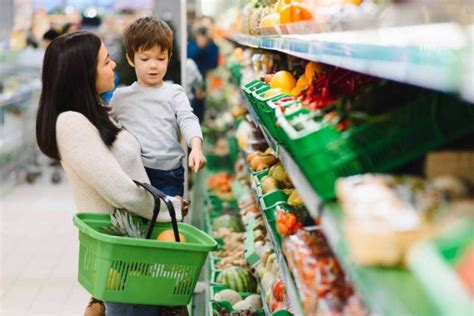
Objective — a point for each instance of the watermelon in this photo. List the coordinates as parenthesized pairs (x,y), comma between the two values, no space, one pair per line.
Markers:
(232,222)
(238,279)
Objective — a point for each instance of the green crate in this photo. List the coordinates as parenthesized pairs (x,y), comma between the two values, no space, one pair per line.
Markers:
(267,111)
(438,257)
(216,306)
(252,86)
(404,134)
(235,71)
(216,163)
(250,252)
(140,271)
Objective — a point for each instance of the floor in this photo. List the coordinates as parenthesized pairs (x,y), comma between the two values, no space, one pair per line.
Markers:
(39,252)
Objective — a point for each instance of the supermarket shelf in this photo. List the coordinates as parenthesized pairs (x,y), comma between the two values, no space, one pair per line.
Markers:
(290,285)
(429,55)
(311,199)
(386,291)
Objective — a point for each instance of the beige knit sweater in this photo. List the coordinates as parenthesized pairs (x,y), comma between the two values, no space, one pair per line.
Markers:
(101,177)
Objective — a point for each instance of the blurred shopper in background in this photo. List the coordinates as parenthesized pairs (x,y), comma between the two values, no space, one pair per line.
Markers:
(205,53)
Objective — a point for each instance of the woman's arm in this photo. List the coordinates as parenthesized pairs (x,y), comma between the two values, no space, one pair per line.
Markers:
(82,149)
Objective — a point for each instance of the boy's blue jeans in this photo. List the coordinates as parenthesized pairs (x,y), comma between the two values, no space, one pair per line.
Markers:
(170,182)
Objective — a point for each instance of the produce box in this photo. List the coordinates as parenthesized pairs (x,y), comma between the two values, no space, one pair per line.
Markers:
(394,139)
(217,207)
(266,111)
(434,264)
(235,71)
(454,163)
(217,306)
(253,85)
(250,252)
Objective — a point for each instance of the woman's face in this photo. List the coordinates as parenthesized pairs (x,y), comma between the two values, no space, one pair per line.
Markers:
(105,71)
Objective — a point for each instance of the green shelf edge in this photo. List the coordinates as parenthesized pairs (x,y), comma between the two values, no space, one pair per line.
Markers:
(386,291)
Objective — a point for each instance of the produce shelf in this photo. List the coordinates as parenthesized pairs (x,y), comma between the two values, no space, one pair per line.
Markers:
(290,285)
(386,291)
(430,55)
(311,199)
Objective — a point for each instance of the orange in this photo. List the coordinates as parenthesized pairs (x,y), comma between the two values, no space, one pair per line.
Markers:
(294,12)
(168,235)
(312,69)
(283,80)
(302,82)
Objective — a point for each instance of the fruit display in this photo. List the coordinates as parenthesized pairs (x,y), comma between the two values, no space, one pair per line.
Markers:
(238,279)
(232,222)
(260,161)
(388,213)
(317,272)
(221,182)
(233,252)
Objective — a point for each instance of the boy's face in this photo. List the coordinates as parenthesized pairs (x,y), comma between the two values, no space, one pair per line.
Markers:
(150,66)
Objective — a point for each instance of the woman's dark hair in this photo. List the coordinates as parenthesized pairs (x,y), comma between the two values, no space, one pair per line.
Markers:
(69,76)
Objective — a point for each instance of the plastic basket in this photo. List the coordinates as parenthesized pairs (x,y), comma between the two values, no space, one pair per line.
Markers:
(140,271)
(404,134)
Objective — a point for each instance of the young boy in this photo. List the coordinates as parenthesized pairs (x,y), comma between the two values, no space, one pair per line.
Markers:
(157,112)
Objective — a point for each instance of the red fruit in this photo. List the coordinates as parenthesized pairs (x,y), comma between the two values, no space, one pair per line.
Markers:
(465,269)
(276,305)
(278,290)
(268,78)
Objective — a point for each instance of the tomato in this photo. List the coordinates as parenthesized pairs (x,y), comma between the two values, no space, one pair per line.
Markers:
(278,290)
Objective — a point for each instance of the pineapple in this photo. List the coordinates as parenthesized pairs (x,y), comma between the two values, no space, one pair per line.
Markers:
(124,224)
(261,8)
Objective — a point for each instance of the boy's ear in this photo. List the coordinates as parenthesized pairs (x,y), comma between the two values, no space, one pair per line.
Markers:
(130,62)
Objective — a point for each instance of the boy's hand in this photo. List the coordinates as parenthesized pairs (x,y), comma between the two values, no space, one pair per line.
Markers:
(197,160)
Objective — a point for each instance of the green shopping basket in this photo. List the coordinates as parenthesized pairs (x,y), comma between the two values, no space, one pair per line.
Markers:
(141,271)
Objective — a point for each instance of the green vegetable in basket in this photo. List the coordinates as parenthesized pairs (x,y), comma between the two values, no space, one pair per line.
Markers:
(124,224)
(113,280)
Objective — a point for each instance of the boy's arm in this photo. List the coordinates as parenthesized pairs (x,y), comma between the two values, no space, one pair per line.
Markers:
(114,106)
(188,122)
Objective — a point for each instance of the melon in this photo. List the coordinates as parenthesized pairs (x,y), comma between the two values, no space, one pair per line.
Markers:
(238,279)
(228,295)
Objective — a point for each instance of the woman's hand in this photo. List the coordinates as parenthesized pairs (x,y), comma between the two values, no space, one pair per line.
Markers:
(184,205)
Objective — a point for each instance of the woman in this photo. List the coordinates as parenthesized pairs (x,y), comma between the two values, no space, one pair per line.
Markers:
(100,159)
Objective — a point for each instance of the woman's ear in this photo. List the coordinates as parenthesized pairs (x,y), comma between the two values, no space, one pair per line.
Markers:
(169,58)
(130,62)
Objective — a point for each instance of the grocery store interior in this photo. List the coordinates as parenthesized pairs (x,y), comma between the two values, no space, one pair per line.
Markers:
(339,140)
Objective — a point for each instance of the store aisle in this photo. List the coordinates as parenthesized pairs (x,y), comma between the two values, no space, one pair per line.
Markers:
(39,252)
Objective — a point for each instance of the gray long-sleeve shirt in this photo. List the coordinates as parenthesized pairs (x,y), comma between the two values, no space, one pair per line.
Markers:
(156,117)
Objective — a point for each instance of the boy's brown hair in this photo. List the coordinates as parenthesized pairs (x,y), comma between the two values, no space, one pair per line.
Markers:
(146,33)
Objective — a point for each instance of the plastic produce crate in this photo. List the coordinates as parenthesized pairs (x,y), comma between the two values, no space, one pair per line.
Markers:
(404,134)
(266,111)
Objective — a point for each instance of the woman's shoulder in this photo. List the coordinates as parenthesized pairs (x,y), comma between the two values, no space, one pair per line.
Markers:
(71,120)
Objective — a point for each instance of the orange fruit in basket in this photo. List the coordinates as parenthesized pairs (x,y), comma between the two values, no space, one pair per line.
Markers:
(294,12)
(283,80)
(168,235)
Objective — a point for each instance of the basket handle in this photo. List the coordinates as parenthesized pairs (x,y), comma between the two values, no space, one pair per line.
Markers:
(157,195)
